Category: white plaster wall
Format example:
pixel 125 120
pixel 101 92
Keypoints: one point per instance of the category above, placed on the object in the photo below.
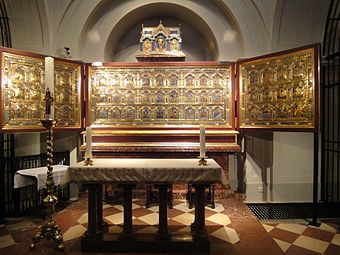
pixel 67 141
pixel 233 182
pixel 292 167
pixel 297 23
pixel 253 181
pixel 289 178
pixel 29 25
pixel 27 144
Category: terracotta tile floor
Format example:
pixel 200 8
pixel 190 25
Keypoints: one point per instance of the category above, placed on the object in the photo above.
pixel 232 228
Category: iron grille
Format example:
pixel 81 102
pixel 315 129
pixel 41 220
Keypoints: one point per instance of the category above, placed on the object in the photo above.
pixel 330 138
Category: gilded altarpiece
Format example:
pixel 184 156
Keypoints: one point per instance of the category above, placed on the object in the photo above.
pixel 279 92
pixel 166 95
pixel 23 92
pixel 67 97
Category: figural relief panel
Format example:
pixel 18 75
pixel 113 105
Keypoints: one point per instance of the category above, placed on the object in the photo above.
pixel 23 92
pixel 160 95
pixel 279 91
pixel 67 94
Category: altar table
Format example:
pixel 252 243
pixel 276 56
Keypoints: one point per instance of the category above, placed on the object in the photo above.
pixel 127 172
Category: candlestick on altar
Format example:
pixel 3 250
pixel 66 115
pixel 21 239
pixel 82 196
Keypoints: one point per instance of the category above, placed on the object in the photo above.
pixel 202 141
pixel 88 152
pixel 49 87
pixel 202 156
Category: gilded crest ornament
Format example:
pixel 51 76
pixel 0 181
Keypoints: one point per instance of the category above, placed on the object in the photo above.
pixel 160 44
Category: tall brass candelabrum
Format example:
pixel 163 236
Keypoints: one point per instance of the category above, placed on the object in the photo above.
pixel 50 230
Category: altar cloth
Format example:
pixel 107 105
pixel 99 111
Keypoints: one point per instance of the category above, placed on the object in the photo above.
pixel 38 176
pixel 136 170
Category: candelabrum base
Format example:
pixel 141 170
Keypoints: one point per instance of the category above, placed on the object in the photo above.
pixel 88 162
pixel 202 161
pixel 49 231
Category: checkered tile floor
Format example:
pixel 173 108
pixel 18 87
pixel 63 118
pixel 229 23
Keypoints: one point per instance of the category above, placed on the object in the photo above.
pixel 180 217
pixel 297 237
pixel 232 228
pixel 146 220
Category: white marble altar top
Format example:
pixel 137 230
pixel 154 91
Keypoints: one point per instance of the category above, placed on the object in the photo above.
pixel 134 170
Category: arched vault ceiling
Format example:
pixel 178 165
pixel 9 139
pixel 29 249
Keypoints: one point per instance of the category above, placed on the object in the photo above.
pixel 105 19
pixel 232 28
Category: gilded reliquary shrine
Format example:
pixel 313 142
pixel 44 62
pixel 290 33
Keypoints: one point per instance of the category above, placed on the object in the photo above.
pixel 146 106
pixel 160 44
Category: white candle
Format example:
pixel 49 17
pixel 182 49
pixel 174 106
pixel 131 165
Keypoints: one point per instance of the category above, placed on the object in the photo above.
pixel 202 141
pixel 49 80
pixel 88 153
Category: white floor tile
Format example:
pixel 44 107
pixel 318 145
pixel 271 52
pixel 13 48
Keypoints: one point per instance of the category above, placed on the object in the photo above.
pixel 282 244
pixel 336 239
pixel 294 228
pixel 185 218
pixel 227 234
pixel 183 207
pixel 311 244
pixel 154 208
pixel 83 219
pixel 6 241
pixel 268 228
pixel 219 218
pixel 117 218
pixel 150 219
pixel 74 232
pixel 218 208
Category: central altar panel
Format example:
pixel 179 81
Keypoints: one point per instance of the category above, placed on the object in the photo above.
pixel 157 94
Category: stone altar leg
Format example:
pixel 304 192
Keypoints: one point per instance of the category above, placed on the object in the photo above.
pixel 200 230
pixel 127 230
pixel 93 209
pixel 99 206
pixel 163 213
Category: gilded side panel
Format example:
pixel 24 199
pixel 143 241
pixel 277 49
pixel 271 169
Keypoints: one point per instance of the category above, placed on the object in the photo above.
pixel 67 94
pixel 22 91
pixel 278 92
pixel 160 95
